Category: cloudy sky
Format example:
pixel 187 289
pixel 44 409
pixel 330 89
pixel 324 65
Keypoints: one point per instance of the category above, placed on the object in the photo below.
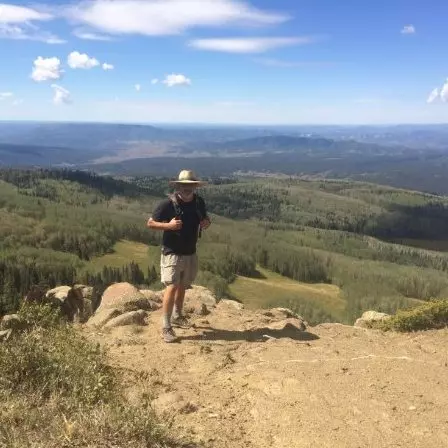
pixel 225 61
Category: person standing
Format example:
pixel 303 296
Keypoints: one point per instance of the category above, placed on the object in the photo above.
pixel 181 217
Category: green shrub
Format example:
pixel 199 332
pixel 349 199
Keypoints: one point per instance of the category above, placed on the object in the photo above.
pixel 66 424
pixel 57 391
pixel 431 315
pixel 40 316
pixel 49 361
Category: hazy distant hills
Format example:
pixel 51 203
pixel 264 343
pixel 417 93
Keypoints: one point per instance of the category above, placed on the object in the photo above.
pixel 85 143
pixel 116 136
pixel 372 153
pixel 290 144
pixel 76 135
pixel 30 155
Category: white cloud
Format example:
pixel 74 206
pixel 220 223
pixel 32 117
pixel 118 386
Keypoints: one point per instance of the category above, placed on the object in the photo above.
pixel 444 92
pixel 20 14
pixel 138 87
pixel 176 80
pixel 50 39
pixel 167 17
pixel 437 93
pixel 433 95
pixel 17 102
pixel 248 45
pixel 28 32
pixel 107 66
pixel 408 29
pixel 61 95
pixel 16 22
pixel 4 95
pixel 46 69
pixel 83 61
pixel 154 81
pixel 86 35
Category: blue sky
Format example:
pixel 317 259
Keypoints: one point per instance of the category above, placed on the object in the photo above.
pixel 225 61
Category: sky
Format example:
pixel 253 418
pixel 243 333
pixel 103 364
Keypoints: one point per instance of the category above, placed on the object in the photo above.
pixel 225 61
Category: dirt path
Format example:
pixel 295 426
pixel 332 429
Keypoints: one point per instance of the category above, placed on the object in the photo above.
pixel 228 385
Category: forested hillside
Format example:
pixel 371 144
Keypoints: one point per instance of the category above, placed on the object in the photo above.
pixel 326 249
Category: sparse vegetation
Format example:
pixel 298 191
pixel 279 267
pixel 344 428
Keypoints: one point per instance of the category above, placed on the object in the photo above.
pixel 429 316
pixel 62 227
pixel 57 390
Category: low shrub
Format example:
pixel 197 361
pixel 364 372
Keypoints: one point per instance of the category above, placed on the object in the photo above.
pixel 57 390
pixel 431 315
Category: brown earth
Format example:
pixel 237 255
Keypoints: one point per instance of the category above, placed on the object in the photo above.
pixel 226 384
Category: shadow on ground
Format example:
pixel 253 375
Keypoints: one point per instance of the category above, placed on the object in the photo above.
pixel 256 335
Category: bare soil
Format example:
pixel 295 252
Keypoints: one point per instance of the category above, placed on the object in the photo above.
pixel 232 382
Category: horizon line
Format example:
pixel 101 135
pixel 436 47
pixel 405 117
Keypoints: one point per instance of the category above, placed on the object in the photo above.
pixel 221 124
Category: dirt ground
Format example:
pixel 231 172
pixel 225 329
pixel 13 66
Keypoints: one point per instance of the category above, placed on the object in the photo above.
pixel 233 382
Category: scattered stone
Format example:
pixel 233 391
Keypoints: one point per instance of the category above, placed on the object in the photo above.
pixel 11 322
pixel 232 303
pixel 200 295
pixel 154 296
pixel 282 312
pixel 59 293
pixel 289 325
pixel 122 296
pixel 61 298
pixel 101 317
pixel 412 408
pixel 131 318
pixel 369 318
pixel 269 337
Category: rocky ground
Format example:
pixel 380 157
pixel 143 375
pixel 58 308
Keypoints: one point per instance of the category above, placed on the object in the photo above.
pixel 240 378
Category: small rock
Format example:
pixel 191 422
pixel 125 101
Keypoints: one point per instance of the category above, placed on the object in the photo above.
pixel 131 318
pixel 412 408
pixel 11 322
pixel 369 318
pixel 59 293
pixel 154 296
pixel 232 303
pixel 101 317
pixel 286 312
pixel 269 338
pixel 121 296
pixel 199 294
pixel 288 325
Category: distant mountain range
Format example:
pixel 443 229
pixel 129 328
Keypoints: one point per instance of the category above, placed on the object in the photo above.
pixel 115 136
pixel 290 144
pixel 142 149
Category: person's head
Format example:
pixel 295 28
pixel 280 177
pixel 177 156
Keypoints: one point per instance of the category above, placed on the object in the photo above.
pixel 186 185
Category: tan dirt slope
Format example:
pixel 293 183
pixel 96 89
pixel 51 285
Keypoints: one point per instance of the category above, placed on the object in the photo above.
pixel 226 384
